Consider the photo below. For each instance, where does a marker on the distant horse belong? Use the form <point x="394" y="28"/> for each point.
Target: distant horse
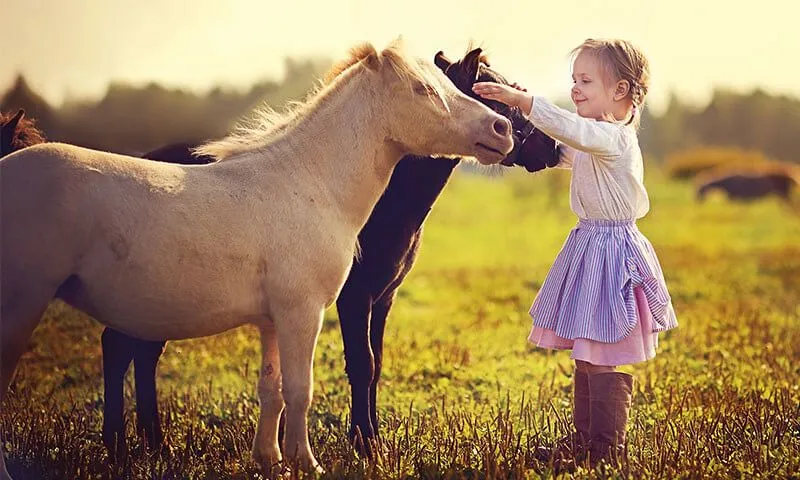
<point x="746" y="186"/>
<point x="389" y="243"/>
<point x="265" y="236"/>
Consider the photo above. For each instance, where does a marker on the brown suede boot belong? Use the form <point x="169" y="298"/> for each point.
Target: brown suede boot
<point x="574" y="445"/>
<point x="611" y="394"/>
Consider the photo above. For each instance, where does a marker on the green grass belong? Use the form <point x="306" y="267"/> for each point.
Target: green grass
<point x="463" y="394"/>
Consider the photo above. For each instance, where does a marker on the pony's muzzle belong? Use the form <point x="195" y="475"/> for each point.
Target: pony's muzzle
<point x="497" y="139"/>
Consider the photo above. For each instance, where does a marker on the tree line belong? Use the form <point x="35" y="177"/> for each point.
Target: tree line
<point x="134" y="119"/>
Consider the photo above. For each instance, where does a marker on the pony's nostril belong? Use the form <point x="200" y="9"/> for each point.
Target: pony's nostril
<point x="502" y="126"/>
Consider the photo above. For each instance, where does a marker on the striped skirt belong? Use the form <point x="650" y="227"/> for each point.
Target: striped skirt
<point x="605" y="296"/>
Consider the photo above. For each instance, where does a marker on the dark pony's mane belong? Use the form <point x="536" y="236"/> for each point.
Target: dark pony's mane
<point x="25" y="135"/>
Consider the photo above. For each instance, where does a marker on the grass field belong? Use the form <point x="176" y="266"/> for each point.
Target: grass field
<point x="463" y="394"/>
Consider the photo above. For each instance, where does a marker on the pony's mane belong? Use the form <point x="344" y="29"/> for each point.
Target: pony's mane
<point x="26" y="133"/>
<point x="265" y="124"/>
<point x="357" y="53"/>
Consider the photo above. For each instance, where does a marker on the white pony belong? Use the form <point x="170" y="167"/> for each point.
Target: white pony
<point x="264" y="236"/>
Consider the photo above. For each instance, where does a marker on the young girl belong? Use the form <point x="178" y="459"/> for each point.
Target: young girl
<point x="605" y="297"/>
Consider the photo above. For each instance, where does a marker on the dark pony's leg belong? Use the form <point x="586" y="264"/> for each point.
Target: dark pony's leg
<point x="145" y="361"/>
<point x="355" y="306"/>
<point x="117" y="356"/>
<point x="377" y="327"/>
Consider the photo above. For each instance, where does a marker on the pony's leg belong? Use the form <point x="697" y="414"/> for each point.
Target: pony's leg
<point x="298" y="329"/>
<point x="266" y="450"/>
<point x="145" y="362"/>
<point x="117" y="356"/>
<point x="380" y="311"/>
<point x="19" y="315"/>
<point x="355" y="309"/>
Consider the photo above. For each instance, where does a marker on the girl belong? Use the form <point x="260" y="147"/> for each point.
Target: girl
<point x="605" y="297"/>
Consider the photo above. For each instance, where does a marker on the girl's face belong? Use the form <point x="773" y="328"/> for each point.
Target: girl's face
<point x="591" y="96"/>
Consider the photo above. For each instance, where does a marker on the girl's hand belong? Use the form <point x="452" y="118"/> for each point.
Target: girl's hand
<point x="511" y="96"/>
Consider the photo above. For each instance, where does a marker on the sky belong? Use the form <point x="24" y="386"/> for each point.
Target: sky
<point x="74" y="48"/>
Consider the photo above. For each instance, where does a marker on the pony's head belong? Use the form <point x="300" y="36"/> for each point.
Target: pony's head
<point x="426" y="114"/>
<point x="474" y="67"/>
<point x="17" y="132"/>
<point x="532" y="148"/>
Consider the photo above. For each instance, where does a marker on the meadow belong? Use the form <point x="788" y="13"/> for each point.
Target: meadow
<point x="463" y="394"/>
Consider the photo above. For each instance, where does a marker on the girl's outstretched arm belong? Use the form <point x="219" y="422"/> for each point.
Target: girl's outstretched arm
<point x="603" y="139"/>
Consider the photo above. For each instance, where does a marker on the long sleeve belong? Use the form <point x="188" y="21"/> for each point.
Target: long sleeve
<point x="566" y="156"/>
<point x="601" y="139"/>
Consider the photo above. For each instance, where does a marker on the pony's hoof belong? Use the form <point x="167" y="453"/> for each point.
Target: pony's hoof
<point x="152" y="437"/>
<point x="269" y="461"/>
<point x="362" y="444"/>
<point x="307" y="465"/>
<point x="312" y="466"/>
<point x="116" y="447"/>
<point x="275" y="471"/>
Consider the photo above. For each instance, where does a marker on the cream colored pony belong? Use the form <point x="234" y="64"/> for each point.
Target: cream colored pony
<point x="264" y="236"/>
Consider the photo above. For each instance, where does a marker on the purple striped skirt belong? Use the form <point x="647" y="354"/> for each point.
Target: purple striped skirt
<point x="591" y="290"/>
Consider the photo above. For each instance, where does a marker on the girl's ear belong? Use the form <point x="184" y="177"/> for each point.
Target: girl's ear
<point x="622" y="90"/>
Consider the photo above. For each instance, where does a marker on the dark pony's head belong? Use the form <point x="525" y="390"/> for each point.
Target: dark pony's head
<point x="17" y="132"/>
<point x="532" y="149"/>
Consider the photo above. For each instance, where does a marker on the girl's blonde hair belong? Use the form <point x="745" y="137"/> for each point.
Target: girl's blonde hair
<point x="621" y="61"/>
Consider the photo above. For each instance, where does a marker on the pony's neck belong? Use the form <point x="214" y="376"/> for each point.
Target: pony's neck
<point x="342" y="143"/>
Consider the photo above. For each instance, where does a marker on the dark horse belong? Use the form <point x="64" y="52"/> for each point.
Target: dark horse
<point x="17" y="132"/>
<point x="745" y="186"/>
<point x="389" y="243"/>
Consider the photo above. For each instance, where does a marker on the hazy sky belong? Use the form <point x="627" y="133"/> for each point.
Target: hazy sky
<point x="75" y="47"/>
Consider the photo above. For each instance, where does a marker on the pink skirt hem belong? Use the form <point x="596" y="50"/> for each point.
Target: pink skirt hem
<point x="638" y="346"/>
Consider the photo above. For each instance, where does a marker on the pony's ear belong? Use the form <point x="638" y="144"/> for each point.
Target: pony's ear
<point x="442" y="61"/>
<point x="373" y="59"/>
<point x="473" y="57"/>
<point x="8" y="132"/>
<point x="471" y="63"/>
<point x="12" y="124"/>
